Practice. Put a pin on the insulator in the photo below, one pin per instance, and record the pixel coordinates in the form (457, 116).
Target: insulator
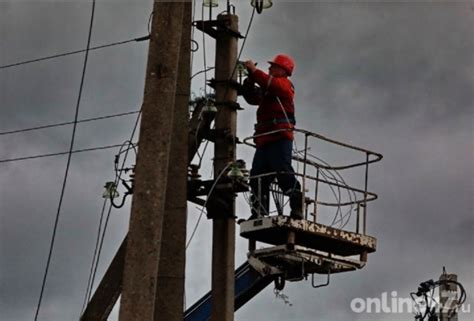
(209, 107)
(261, 4)
(110, 190)
(210, 3)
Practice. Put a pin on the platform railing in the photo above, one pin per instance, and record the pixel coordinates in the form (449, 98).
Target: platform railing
(358, 196)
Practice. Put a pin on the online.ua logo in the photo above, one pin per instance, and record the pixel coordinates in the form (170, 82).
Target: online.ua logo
(396, 304)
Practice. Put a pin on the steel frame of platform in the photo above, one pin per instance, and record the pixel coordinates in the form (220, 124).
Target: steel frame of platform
(279, 230)
(296, 262)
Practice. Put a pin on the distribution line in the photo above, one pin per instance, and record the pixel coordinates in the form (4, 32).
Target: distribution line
(104, 204)
(67, 123)
(17, 159)
(63, 188)
(204, 51)
(74, 52)
(99, 244)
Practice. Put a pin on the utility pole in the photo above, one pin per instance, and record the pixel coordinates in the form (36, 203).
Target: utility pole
(169, 300)
(448, 297)
(142, 258)
(223, 228)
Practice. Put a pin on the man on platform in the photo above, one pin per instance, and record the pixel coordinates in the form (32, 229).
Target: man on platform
(273, 134)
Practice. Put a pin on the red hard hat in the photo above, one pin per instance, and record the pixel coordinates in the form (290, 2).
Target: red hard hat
(285, 62)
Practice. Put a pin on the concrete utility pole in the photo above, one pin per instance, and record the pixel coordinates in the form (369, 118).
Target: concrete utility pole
(223, 238)
(142, 259)
(169, 300)
(448, 297)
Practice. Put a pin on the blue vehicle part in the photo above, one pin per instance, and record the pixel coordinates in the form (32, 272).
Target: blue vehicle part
(248, 283)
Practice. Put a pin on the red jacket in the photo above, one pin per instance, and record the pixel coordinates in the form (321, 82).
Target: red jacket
(271, 115)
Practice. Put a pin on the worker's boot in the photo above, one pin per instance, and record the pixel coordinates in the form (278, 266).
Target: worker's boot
(296, 205)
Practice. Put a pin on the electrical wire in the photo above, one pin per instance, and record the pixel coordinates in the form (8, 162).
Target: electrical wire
(330, 176)
(430, 305)
(130, 145)
(101, 233)
(194, 42)
(205, 70)
(204, 52)
(201, 156)
(17, 159)
(200, 72)
(99, 252)
(16, 64)
(244, 41)
(149, 22)
(67, 123)
(205, 203)
(249, 202)
(63, 188)
(99, 245)
(86, 297)
(205, 92)
(193, 29)
(233, 71)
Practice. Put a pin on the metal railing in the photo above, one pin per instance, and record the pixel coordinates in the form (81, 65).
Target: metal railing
(328, 176)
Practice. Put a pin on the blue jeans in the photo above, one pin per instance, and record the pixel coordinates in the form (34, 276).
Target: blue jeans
(272, 157)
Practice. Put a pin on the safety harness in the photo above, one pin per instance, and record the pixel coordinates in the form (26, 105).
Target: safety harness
(289, 118)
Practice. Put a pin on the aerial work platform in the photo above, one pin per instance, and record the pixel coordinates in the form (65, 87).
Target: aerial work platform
(330, 239)
(274, 230)
(315, 245)
(303, 247)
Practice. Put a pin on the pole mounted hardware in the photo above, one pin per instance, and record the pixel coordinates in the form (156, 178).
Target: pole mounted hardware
(216, 27)
(230, 82)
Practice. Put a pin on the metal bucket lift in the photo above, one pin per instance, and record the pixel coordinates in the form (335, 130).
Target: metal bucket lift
(310, 246)
(297, 248)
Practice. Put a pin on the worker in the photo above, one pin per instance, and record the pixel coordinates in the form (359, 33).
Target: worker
(273, 93)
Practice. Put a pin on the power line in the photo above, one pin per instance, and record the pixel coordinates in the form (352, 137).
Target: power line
(95, 253)
(99, 244)
(204, 50)
(200, 72)
(68, 123)
(63, 188)
(74, 52)
(17, 159)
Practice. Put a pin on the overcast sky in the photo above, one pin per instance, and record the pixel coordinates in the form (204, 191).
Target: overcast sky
(394, 77)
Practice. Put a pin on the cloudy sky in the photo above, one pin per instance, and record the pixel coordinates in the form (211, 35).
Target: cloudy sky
(396, 77)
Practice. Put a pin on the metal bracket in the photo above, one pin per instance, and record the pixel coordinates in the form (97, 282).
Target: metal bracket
(202, 188)
(263, 268)
(231, 104)
(210, 135)
(197, 200)
(216, 27)
(230, 82)
(322, 284)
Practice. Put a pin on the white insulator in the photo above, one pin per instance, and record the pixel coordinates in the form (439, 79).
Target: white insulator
(210, 3)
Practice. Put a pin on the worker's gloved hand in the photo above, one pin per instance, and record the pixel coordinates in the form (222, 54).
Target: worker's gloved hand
(250, 65)
(248, 84)
(251, 93)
